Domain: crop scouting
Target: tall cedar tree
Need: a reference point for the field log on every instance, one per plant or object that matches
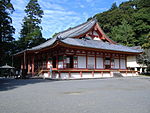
(114, 6)
(6, 30)
(31, 34)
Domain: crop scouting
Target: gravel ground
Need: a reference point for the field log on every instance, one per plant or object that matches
(111, 95)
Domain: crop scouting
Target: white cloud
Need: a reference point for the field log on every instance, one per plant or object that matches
(55, 21)
(101, 9)
(82, 6)
(19, 5)
(18, 15)
(48, 5)
(57, 12)
(58, 15)
(56, 26)
(85, 15)
(119, 1)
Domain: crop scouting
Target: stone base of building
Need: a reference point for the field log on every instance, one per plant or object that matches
(85, 74)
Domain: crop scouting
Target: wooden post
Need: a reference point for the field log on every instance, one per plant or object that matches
(12, 62)
(103, 61)
(110, 61)
(126, 61)
(119, 62)
(29, 65)
(32, 65)
(57, 62)
(92, 73)
(46, 61)
(59, 74)
(95, 61)
(21, 64)
(81, 74)
(86, 60)
(24, 58)
(69, 74)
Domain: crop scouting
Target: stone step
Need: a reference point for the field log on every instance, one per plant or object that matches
(117, 75)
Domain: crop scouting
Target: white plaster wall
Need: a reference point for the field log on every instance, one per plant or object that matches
(49, 63)
(64, 75)
(116, 63)
(81, 61)
(75, 75)
(87, 75)
(131, 62)
(97, 75)
(60, 64)
(122, 64)
(46, 75)
(106, 75)
(129, 74)
(91, 62)
(56, 75)
(133, 74)
(99, 63)
(96, 38)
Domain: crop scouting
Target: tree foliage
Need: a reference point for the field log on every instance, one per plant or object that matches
(123, 34)
(136, 13)
(114, 6)
(6, 30)
(31, 34)
(145, 58)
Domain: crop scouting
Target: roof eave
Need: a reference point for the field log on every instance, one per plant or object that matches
(98, 49)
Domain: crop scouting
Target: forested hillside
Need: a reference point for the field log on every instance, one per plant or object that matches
(128, 23)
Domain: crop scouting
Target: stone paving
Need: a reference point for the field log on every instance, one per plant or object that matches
(109, 95)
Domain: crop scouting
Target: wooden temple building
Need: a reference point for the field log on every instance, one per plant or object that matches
(83, 51)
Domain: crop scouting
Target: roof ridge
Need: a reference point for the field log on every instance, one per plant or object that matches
(93, 19)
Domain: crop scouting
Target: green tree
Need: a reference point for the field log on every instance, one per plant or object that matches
(137, 15)
(147, 44)
(31, 34)
(114, 6)
(145, 58)
(141, 22)
(6, 30)
(123, 34)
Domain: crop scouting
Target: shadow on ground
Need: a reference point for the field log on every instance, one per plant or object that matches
(9, 84)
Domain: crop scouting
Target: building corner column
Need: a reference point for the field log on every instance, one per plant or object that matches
(32, 65)
(141, 70)
(29, 67)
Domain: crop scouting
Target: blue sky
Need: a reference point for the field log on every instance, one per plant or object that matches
(61, 14)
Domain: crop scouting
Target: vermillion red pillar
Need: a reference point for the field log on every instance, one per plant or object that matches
(21, 64)
(32, 65)
(57, 62)
(24, 61)
(29, 65)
